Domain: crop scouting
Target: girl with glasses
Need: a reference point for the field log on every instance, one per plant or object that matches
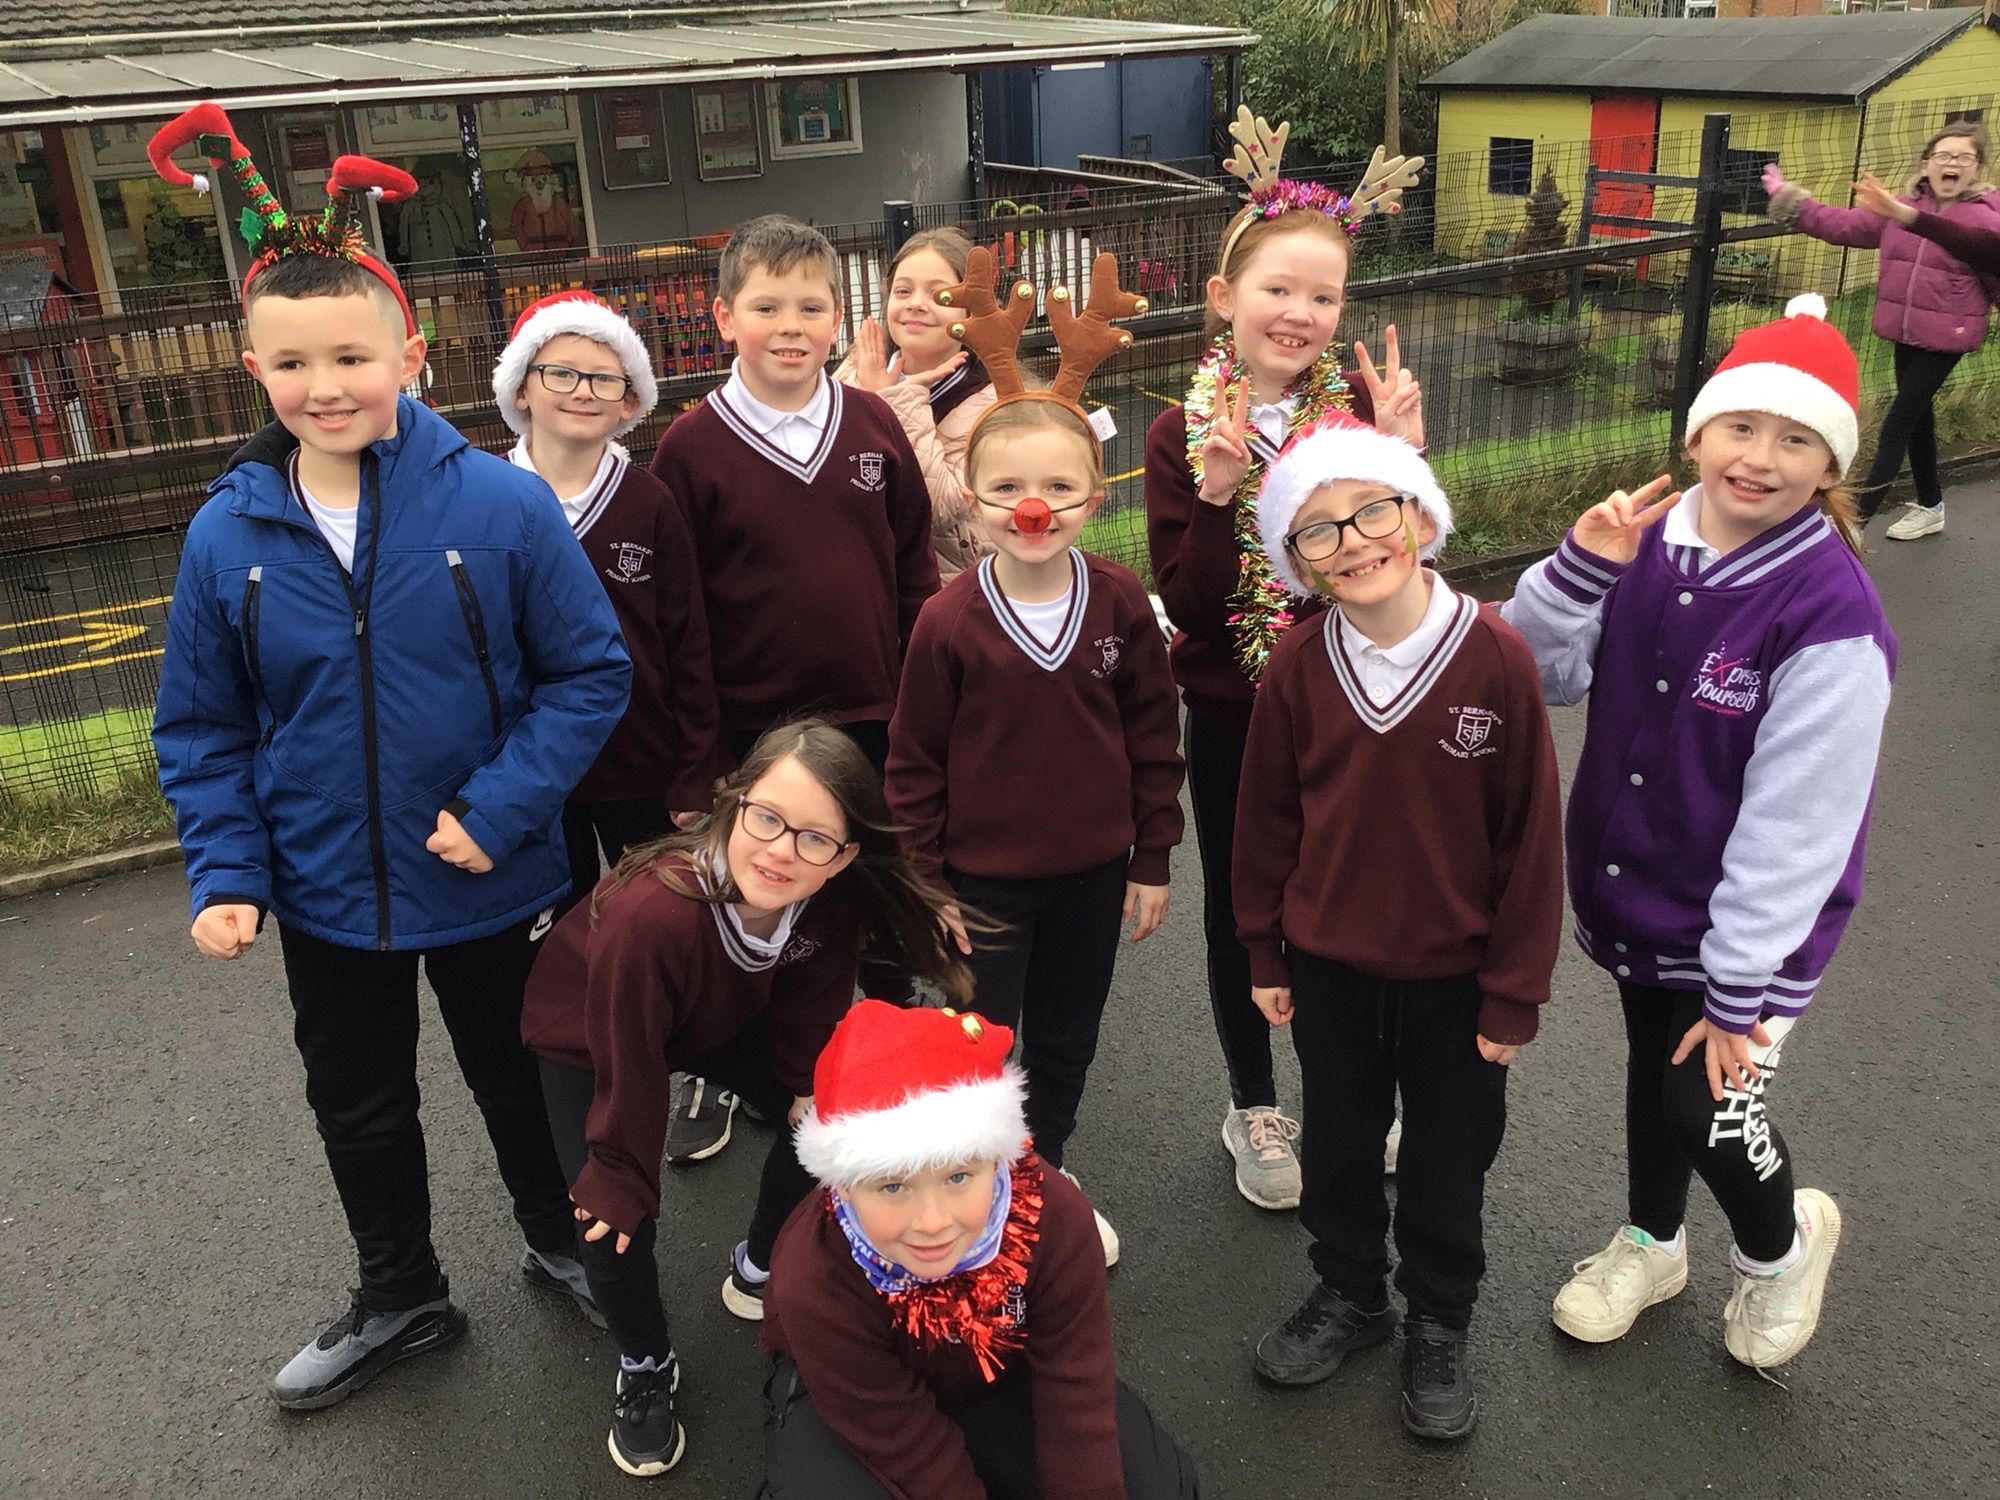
(729, 950)
(1929, 304)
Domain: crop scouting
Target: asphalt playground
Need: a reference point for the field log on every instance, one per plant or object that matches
(169, 1235)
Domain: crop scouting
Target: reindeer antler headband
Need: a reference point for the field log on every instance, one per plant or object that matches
(993, 333)
(1259, 149)
(271, 233)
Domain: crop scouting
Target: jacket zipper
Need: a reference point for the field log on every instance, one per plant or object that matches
(475, 626)
(364, 646)
(252, 601)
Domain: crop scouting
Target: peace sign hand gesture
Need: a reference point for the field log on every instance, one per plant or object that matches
(1225, 452)
(1396, 398)
(1612, 529)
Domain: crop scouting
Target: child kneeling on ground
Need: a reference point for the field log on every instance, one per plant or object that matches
(937, 1317)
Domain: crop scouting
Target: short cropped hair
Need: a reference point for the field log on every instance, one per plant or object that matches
(776, 243)
(320, 276)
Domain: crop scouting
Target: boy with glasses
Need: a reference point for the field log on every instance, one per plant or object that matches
(1398, 884)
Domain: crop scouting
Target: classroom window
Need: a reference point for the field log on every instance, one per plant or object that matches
(1964, 116)
(154, 235)
(813, 116)
(1510, 166)
(1742, 185)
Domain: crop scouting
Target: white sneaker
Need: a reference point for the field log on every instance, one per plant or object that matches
(1611, 1288)
(1769, 1320)
(1392, 1147)
(1267, 1163)
(1106, 1235)
(1916, 521)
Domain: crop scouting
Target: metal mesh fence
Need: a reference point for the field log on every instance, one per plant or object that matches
(113, 420)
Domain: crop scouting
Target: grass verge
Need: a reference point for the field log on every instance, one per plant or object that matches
(74, 787)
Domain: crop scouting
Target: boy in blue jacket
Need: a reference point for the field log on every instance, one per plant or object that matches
(387, 662)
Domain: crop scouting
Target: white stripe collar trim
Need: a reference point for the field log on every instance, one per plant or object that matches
(1754, 561)
(585, 509)
(748, 952)
(730, 402)
(1384, 717)
(1052, 656)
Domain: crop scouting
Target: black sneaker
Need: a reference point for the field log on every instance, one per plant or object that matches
(743, 1294)
(1310, 1344)
(1438, 1401)
(358, 1345)
(564, 1274)
(699, 1125)
(646, 1437)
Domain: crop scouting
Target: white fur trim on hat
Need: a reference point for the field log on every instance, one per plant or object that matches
(1335, 451)
(594, 320)
(1780, 391)
(977, 1121)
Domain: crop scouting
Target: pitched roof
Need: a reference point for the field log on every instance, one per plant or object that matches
(1800, 57)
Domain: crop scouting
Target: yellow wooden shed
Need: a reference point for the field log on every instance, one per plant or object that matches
(1825, 97)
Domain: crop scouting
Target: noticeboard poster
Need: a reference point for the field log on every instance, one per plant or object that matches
(725, 132)
(632, 139)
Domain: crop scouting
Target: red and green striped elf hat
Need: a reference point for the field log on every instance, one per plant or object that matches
(271, 233)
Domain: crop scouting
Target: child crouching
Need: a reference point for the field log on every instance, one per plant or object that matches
(937, 1316)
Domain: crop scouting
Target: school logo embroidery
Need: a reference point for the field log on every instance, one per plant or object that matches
(798, 950)
(1014, 1305)
(871, 471)
(634, 564)
(1473, 735)
(1110, 651)
(1724, 685)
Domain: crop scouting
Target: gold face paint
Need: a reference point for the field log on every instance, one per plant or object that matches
(1320, 581)
(1409, 534)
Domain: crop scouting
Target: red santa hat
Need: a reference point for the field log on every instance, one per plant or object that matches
(1798, 368)
(578, 312)
(1339, 447)
(899, 1091)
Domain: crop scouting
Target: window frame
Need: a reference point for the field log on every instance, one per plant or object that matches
(777, 150)
(1510, 149)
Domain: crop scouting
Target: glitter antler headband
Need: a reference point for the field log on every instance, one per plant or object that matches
(1259, 149)
(993, 333)
(271, 233)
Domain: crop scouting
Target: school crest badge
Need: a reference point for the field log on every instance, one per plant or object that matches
(1110, 651)
(634, 563)
(1472, 735)
(870, 465)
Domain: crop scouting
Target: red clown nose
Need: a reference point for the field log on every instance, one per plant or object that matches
(1032, 516)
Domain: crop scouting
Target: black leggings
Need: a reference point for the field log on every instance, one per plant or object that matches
(1674, 1127)
(1910, 427)
(627, 1286)
(805, 1460)
(1214, 751)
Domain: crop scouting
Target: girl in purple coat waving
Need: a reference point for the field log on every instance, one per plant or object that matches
(1929, 304)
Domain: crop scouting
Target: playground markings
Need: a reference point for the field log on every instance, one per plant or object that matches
(97, 633)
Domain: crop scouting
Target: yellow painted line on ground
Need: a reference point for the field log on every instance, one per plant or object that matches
(1163, 400)
(89, 614)
(1128, 474)
(88, 664)
(98, 635)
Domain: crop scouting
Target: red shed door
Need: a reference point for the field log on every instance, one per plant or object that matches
(1624, 132)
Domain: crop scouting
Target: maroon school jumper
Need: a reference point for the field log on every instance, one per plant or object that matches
(658, 981)
(879, 1392)
(1196, 567)
(666, 745)
(813, 572)
(1417, 839)
(1018, 761)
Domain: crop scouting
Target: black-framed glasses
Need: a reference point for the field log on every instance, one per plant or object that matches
(561, 379)
(1377, 519)
(765, 826)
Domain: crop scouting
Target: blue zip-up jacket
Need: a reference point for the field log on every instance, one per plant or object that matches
(311, 725)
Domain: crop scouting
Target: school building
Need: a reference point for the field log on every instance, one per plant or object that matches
(1824, 96)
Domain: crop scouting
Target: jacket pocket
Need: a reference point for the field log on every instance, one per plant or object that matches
(475, 627)
(253, 606)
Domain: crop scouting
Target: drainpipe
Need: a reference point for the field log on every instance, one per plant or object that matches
(482, 220)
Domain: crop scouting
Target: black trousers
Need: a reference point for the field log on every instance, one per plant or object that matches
(1359, 1040)
(617, 826)
(627, 1287)
(805, 1460)
(1048, 977)
(1214, 752)
(1674, 1128)
(879, 981)
(355, 1022)
(1910, 427)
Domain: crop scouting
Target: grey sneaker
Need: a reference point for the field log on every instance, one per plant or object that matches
(699, 1125)
(1915, 523)
(358, 1345)
(561, 1273)
(1267, 1163)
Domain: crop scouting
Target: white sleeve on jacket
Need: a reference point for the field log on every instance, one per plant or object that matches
(1558, 606)
(1805, 793)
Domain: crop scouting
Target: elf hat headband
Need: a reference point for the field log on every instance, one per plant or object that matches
(271, 233)
(899, 1091)
(1259, 149)
(993, 333)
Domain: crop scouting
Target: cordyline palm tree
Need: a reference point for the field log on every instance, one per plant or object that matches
(1372, 29)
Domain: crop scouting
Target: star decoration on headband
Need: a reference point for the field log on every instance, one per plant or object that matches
(1259, 151)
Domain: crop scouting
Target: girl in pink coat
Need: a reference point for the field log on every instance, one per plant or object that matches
(1929, 304)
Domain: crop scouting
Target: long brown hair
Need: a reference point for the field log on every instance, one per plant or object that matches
(901, 912)
(1838, 504)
